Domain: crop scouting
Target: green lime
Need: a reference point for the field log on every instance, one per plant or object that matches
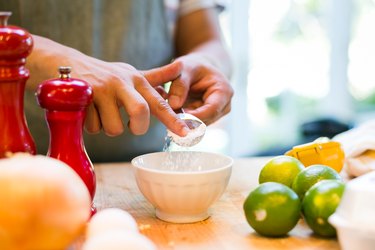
(281, 169)
(311, 175)
(272, 209)
(320, 202)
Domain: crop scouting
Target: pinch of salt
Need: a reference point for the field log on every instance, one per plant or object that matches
(192, 138)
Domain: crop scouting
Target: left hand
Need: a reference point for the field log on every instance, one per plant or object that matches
(201, 89)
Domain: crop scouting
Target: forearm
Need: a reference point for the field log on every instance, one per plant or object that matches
(45, 59)
(199, 33)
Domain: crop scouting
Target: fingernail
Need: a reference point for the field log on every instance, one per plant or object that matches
(174, 101)
(185, 131)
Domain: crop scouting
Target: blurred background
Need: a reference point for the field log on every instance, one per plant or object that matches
(302, 69)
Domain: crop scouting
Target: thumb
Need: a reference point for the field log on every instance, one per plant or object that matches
(164, 74)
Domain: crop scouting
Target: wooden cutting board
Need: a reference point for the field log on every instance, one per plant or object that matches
(227, 227)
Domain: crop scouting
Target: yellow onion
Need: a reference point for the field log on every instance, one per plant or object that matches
(44, 204)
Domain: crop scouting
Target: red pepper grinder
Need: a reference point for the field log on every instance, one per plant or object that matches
(15, 45)
(65, 100)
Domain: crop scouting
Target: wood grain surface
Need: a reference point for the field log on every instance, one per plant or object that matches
(226, 228)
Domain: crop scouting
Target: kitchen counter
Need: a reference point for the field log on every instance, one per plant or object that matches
(227, 227)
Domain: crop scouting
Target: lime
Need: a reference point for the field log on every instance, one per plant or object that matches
(272, 209)
(320, 202)
(311, 175)
(281, 169)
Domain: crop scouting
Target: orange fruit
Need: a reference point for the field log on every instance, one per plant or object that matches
(281, 169)
(272, 209)
(320, 202)
(311, 175)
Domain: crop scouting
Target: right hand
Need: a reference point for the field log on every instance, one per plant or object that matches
(118, 85)
(115, 85)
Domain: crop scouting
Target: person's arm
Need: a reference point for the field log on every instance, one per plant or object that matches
(115, 85)
(199, 32)
(203, 87)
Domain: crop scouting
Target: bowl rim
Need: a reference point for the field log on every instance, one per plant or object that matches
(171, 172)
(341, 223)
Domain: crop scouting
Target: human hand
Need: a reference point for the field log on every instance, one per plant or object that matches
(201, 89)
(117, 85)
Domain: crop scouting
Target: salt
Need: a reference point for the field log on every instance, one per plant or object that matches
(192, 138)
(184, 161)
(181, 161)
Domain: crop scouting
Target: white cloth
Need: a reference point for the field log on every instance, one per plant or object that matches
(359, 147)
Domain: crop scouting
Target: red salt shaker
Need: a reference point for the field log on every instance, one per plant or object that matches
(15, 45)
(65, 100)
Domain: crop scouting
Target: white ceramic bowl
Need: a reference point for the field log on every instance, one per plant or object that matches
(354, 218)
(182, 185)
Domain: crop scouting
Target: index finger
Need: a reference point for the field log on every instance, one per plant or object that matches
(161, 109)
